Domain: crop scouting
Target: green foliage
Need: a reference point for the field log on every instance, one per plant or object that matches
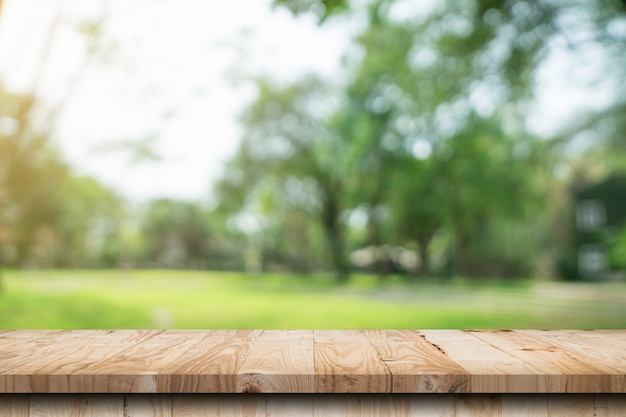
(323, 9)
(176, 234)
(425, 138)
(48, 215)
(288, 177)
(617, 255)
(432, 133)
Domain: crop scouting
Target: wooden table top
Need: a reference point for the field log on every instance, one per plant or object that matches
(312, 361)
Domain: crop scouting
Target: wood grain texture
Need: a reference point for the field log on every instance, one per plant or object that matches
(288, 405)
(346, 361)
(383, 406)
(431, 405)
(142, 405)
(234, 405)
(480, 405)
(52, 366)
(563, 370)
(279, 362)
(313, 361)
(102, 406)
(416, 365)
(211, 364)
(571, 405)
(13, 405)
(525, 405)
(53, 406)
(306, 405)
(20, 347)
(195, 405)
(604, 350)
(135, 369)
(336, 405)
(491, 370)
(615, 404)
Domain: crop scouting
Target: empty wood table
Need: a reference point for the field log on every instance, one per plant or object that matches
(312, 372)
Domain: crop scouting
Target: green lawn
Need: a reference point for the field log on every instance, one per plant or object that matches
(191, 300)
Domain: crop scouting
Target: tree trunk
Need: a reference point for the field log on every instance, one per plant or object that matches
(335, 238)
(374, 239)
(422, 249)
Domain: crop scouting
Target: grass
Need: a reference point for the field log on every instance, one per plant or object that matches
(217, 300)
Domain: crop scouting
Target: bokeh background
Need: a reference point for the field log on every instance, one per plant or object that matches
(312, 164)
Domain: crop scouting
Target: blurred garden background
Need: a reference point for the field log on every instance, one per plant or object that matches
(312, 164)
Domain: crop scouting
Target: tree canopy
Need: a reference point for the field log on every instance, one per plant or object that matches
(420, 158)
(428, 140)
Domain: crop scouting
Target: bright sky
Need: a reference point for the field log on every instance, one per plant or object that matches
(168, 82)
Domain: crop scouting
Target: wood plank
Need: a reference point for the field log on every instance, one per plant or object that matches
(23, 348)
(383, 405)
(614, 338)
(135, 369)
(32, 344)
(416, 405)
(416, 365)
(563, 405)
(432, 405)
(28, 334)
(525, 405)
(491, 370)
(94, 405)
(609, 405)
(144, 405)
(76, 405)
(564, 371)
(237, 405)
(210, 365)
(288, 405)
(279, 362)
(477, 405)
(331, 405)
(53, 405)
(615, 404)
(597, 350)
(14, 405)
(324, 361)
(195, 405)
(600, 405)
(53, 363)
(346, 362)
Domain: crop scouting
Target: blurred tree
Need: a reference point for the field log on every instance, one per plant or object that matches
(30, 171)
(435, 123)
(176, 234)
(431, 136)
(497, 46)
(418, 206)
(487, 182)
(89, 231)
(290, 157)
(365, 122)
(47, 213)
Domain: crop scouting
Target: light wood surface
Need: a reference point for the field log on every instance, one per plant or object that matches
(313, 361)
(346, 361)
(318, 405)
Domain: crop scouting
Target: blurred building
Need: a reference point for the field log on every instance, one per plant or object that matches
(600, 229)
